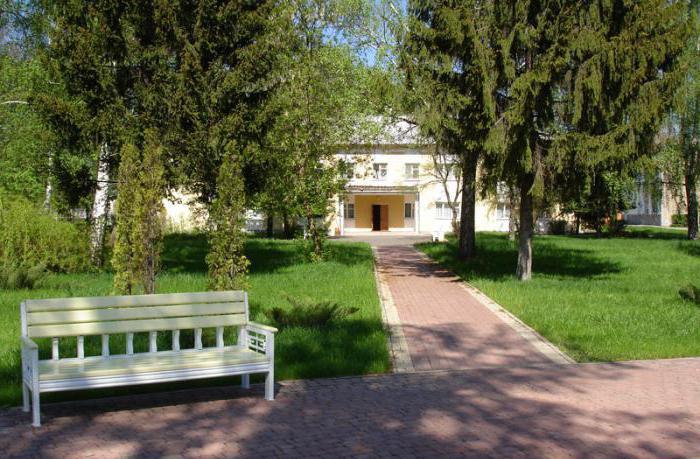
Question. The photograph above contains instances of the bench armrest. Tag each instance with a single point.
(254, 326)
(28, 344)
(258, 338)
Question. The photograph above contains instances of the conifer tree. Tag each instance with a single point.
(139, 208)
(227, 263)
(449, 75)
(148, 216)
(580, 84)
(124, 262)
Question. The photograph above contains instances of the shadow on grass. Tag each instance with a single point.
(186, 253)
(691, 248)
(497, 257)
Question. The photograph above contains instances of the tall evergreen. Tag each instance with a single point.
(227, 263)
(579, 84)
(139, 216)
(449, 74)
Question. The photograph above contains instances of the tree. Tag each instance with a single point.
(579, 84)
(319, 107)
(448, 65)
(124, 260)
(446, 170)
(688, 109)
(227, 263)
(139, 208)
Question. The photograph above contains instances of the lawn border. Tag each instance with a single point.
(539, 342)
(398, 345)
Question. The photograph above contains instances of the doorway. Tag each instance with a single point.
(380, 217)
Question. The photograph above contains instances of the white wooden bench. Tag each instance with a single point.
(105, 316)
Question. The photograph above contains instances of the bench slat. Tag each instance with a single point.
(146, 362)
(142, 312)
(124, 326)
(164, 299)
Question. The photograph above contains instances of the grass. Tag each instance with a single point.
(353, 345)
(597, 299)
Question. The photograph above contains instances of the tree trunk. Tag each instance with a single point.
(512, 217)
(288, 226)
(524, 269)
(467, 226)
(48, 194)
(100, 207)
(270, 225)
(691, 192)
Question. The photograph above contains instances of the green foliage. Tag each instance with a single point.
(30, 237)
(597, 199)
(319, 106)
(139, 222)
(21, 277)
(123, 255)
(227, 263)
(690, 293)
(308, 313)
(679, 220)
(558, 227)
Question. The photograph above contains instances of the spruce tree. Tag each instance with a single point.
(227, 263)
(448, 65)
(580, 84)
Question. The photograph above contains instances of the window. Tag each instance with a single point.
(349, 210)
(409, 210)
(379, 170)
(443, 211)
(350, 170)
(502, 210)
(412, 171)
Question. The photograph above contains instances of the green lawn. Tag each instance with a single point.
(355, 345)
(597, 299)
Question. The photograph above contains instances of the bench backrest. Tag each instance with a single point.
(134, 313)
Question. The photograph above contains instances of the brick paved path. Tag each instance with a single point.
(445, 326)
(633, 409)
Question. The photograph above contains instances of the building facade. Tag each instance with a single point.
(397, 189)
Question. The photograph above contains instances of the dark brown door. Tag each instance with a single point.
(384, 218)
(376, 217)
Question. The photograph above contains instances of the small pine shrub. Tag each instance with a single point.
(690, 293)
(306, 313)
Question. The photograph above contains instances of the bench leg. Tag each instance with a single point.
(36, 416)
(25, 398)
(270, 385)
(245, 381)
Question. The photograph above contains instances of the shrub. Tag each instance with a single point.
(615, 227)
(30, 237)
(557, 227)
(690, 293)
(18, 277)
(306, 313)
(679, 220)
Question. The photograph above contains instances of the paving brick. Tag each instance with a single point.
(444, 325)
(630, 409)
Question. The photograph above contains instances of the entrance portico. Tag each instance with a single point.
(379, 209)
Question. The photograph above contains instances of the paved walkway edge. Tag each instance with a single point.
(540, 343)
(398, 346)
